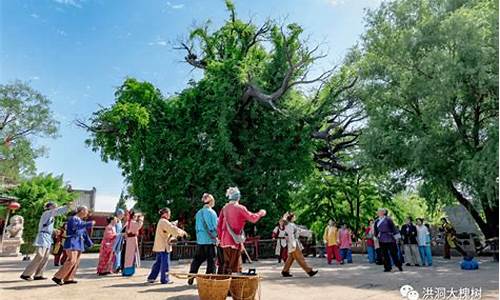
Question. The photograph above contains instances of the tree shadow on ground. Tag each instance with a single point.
(361, 275)
(184, 297)
(125, 285)
(179, 288)
(30, 287)
(92, 275)
(10, 281)
(11, 265)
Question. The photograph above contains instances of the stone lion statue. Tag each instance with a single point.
(15, 228)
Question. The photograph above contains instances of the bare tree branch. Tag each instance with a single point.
(94, 129)
(191, 58)
(253, 91)
(339, 135)
(262, 31)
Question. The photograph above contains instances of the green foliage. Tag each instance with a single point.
(94, 249)
(428, 82)
(204, 139)
(406, 204)
(33, 194)
(24, 113)
(430, 71)
(351, 198)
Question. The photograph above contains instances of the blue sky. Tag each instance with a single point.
(77, 52)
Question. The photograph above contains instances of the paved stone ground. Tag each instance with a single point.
(353, 281)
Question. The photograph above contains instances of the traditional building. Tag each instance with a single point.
(85, 197)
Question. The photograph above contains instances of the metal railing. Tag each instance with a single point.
(256, 248)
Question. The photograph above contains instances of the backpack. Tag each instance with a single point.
(469, 263)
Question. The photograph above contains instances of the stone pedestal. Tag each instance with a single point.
(11, 247)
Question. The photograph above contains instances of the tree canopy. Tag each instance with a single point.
(414, 106)
(430, 72)
(24, 114)
(243, 123)
(33, 194)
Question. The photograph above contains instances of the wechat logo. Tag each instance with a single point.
(407, 292)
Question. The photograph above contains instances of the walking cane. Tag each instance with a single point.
(246, 253)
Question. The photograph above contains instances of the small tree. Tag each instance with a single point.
(24, 113)
(350, 198)
(33, 194)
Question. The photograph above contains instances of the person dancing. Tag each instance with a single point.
(132, 258)
(294, 248)
(232, 219)
(74, 246)
(105, 264)
(165, 233)
(43, 241)
(279, 234)
(450, 239)
(58, 251)
(118, 244)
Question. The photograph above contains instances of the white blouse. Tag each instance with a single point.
(423, 235)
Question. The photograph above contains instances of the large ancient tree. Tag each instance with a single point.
(243, 123)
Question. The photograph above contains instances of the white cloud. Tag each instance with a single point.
(34, 16)
(335, 2)
(342, 2)
(175, 6)
(34, 78)
(158, 42)
(61, 32)
(74, 3)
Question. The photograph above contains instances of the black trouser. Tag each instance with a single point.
(204, 253)
(122, 258)
(379, 257)
(220, 260)
(390, 250)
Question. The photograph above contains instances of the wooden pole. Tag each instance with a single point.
(179, 275)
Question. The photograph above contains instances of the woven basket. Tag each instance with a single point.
(244, 288)
(212, 287)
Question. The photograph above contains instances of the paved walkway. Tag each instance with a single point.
(354, 281)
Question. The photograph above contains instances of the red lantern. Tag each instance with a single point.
(14, 205)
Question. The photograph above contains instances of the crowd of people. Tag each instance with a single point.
(219, 238)
(220, 242)
(384, 242)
